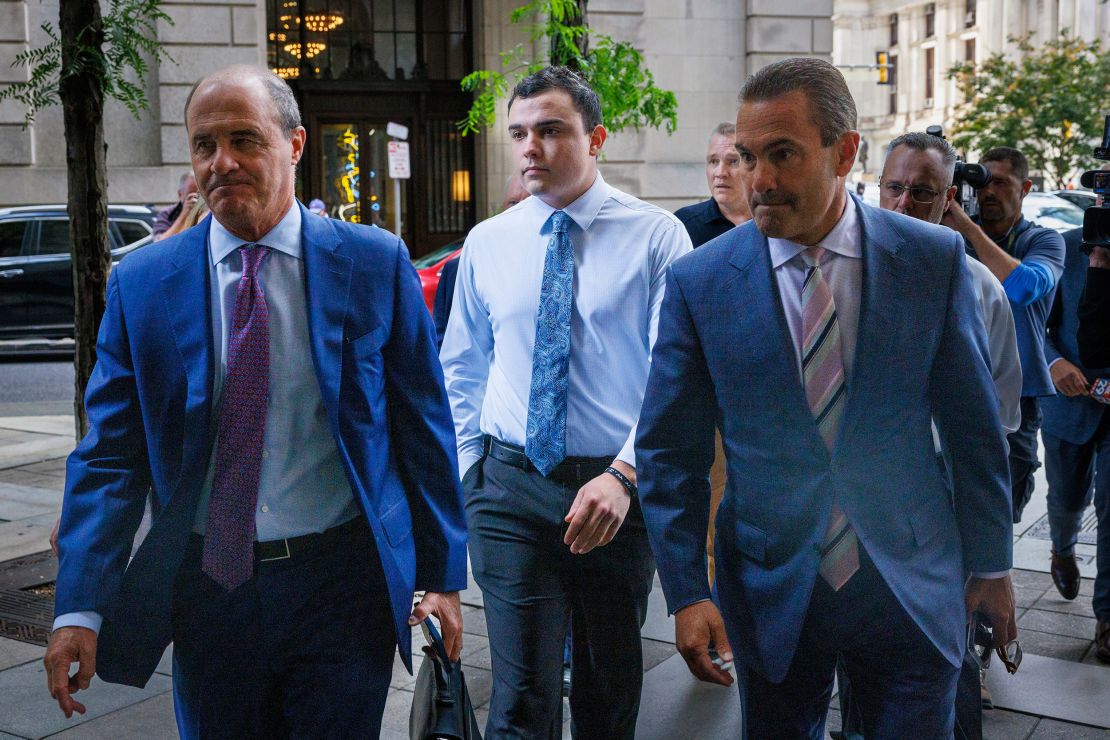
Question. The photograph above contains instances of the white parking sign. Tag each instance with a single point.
(399, 168)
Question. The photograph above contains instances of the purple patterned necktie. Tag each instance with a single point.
(229, 535)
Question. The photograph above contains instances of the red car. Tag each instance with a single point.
(430, 266)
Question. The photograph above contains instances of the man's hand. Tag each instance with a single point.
(598, 511)
(70, 645)
(1068, 379)
(54, 536)
(446, 608)
(993, 598)
(956, 218)
(694, 627)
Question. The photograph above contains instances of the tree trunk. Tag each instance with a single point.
(82, 98)
(583, 42)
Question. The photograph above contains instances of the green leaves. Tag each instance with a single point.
(1050, 103)
(615, 69)
(130, 35)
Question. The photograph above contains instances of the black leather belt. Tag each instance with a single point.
(293, 547)
(572, 470)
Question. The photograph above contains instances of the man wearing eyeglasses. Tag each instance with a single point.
(917, 181)
(1028, 260)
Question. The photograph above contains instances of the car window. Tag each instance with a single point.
(433, 257)
(131, 231)
(1067, 215)
(11, 237)
(54, 236)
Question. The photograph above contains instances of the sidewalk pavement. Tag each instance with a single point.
(1062, 691)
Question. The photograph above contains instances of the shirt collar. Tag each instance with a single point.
(713, 212)
(285, 237)
(582, 211)
(844, 239)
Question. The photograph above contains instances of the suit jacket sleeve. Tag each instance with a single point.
(674, 451)
(423, 437)
(107, 475)
(965, 408)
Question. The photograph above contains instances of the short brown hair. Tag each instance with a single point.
(1018, 163)
(832, 109)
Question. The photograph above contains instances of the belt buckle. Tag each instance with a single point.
(286, 556)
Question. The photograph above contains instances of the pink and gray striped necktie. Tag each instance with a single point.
(823, 378)
(228, 556)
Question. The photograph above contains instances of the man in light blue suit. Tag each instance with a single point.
(268, 381)
(821, 338)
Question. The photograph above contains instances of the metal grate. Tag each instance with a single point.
(26, 616)
(1088, 531)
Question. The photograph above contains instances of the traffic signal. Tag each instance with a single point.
(882, 61)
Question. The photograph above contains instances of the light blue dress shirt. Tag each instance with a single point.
(622, 247)
(302, 487)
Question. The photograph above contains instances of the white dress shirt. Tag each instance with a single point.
(622, 247)
(842, 268)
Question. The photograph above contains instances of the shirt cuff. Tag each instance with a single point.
(1054, 362)
(89, 620)
(991, 575)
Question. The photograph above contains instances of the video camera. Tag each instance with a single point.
(1096, 219)
(967, 178)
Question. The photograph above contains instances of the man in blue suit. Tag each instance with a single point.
(821, 339)
(1076, 437)
(269, 383)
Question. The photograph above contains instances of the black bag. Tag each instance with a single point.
(441, 708)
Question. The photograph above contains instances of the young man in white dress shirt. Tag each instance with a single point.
(546, 358)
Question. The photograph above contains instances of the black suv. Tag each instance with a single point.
(36, 278)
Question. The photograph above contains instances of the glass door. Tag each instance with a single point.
(356, 182)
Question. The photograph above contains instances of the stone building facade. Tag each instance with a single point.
(924, 40)
(701, 49)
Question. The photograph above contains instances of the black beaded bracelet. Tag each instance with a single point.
(629, 486)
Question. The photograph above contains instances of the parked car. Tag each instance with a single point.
(1082, 198)
(1051, 211)
(36, 279)
(430, 266)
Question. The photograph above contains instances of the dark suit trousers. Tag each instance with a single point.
(303, 649)
(1075, 473)
(1023, 454)
(901, 685)
(533, 586)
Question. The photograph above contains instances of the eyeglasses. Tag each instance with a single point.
(894, 190)
(980, 640)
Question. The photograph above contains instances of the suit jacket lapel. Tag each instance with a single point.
(882, 270)
(187, 301)
(327, 287)
(761, 323)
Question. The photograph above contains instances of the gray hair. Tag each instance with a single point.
(287, 113)
(831, 107)
(724, 129)
(184, 178)
(923, 143)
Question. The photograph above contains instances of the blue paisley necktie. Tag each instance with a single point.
(546, 443)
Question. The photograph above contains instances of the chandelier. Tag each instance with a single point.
(310, 49)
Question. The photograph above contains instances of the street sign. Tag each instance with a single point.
(397, 131)
(399, 167)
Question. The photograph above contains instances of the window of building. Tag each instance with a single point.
(369, 39)
(929, 61)
(893, 109)
(930, 20)
(894, 29)
(969, 13)
(969, 51)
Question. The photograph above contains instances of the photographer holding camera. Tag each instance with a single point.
(1028, 260)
